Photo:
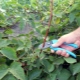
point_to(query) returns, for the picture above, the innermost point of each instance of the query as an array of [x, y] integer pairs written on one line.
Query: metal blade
[[47, 44]]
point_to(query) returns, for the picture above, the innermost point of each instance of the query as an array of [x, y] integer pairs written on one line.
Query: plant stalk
[[49, 23]]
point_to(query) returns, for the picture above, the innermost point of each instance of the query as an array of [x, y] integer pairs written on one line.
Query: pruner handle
[[70, 44], [67, 51]]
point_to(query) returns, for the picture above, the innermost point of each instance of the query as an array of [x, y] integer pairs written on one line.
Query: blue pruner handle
[[71, 44], [69, 52]]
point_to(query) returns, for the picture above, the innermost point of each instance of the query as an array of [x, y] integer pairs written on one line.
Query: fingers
[[62, 53], [59, 52], [60, 42], [78, 43], [52, 51], [67, 47]]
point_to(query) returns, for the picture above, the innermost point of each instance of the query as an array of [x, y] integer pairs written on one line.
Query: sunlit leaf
[[17, 71], [9, 53], [4, 42], [70, 60], [3, 71]]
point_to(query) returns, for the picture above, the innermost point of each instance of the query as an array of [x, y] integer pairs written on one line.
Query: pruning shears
[[49, 45]]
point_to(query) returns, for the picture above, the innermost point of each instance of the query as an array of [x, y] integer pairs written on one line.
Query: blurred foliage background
[[20, 58]]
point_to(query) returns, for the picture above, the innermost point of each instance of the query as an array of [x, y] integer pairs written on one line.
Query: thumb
[[59, 43]]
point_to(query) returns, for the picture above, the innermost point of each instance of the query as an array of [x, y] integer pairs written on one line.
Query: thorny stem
[[49, 23]]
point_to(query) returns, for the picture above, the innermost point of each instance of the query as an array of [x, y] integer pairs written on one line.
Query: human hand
[[72, 37]]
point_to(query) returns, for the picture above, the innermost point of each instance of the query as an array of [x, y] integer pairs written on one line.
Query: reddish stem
[[49, 23]]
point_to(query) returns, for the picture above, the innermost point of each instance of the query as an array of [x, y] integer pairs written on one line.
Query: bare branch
[[49, 23]]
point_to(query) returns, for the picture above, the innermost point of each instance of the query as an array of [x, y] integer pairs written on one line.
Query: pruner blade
[[47, 45]]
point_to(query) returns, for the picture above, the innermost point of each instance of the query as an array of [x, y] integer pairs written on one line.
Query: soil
[[17, 31]]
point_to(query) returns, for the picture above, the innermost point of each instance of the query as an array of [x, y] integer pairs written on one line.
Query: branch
[[49, 23]]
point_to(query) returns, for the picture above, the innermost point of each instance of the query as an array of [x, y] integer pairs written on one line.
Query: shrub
[[20, 56]]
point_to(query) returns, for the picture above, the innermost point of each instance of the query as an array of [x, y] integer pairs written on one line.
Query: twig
[[49, 23]]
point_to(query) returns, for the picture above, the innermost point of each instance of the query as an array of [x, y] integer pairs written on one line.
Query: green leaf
[[44, 29], [48, 66], [22, 23], [33, 24], [58, 61], [17, 71], [42, 55], [65, 74], [4, 42], [2, 17], [78, 21], [20, 45], [1, 35], [76, 68], [53, 76], [33, 3], [70, 60], [51, 58], [71, 67], [28, 44], [9, 31], [9, 77], [78, 77], [71, 17], [71, 2], [59, 15], [34, 74], [27, 77], [73, 7], [2, 60], [57, 21], [72, 78], [9, 53], [3, 70]]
